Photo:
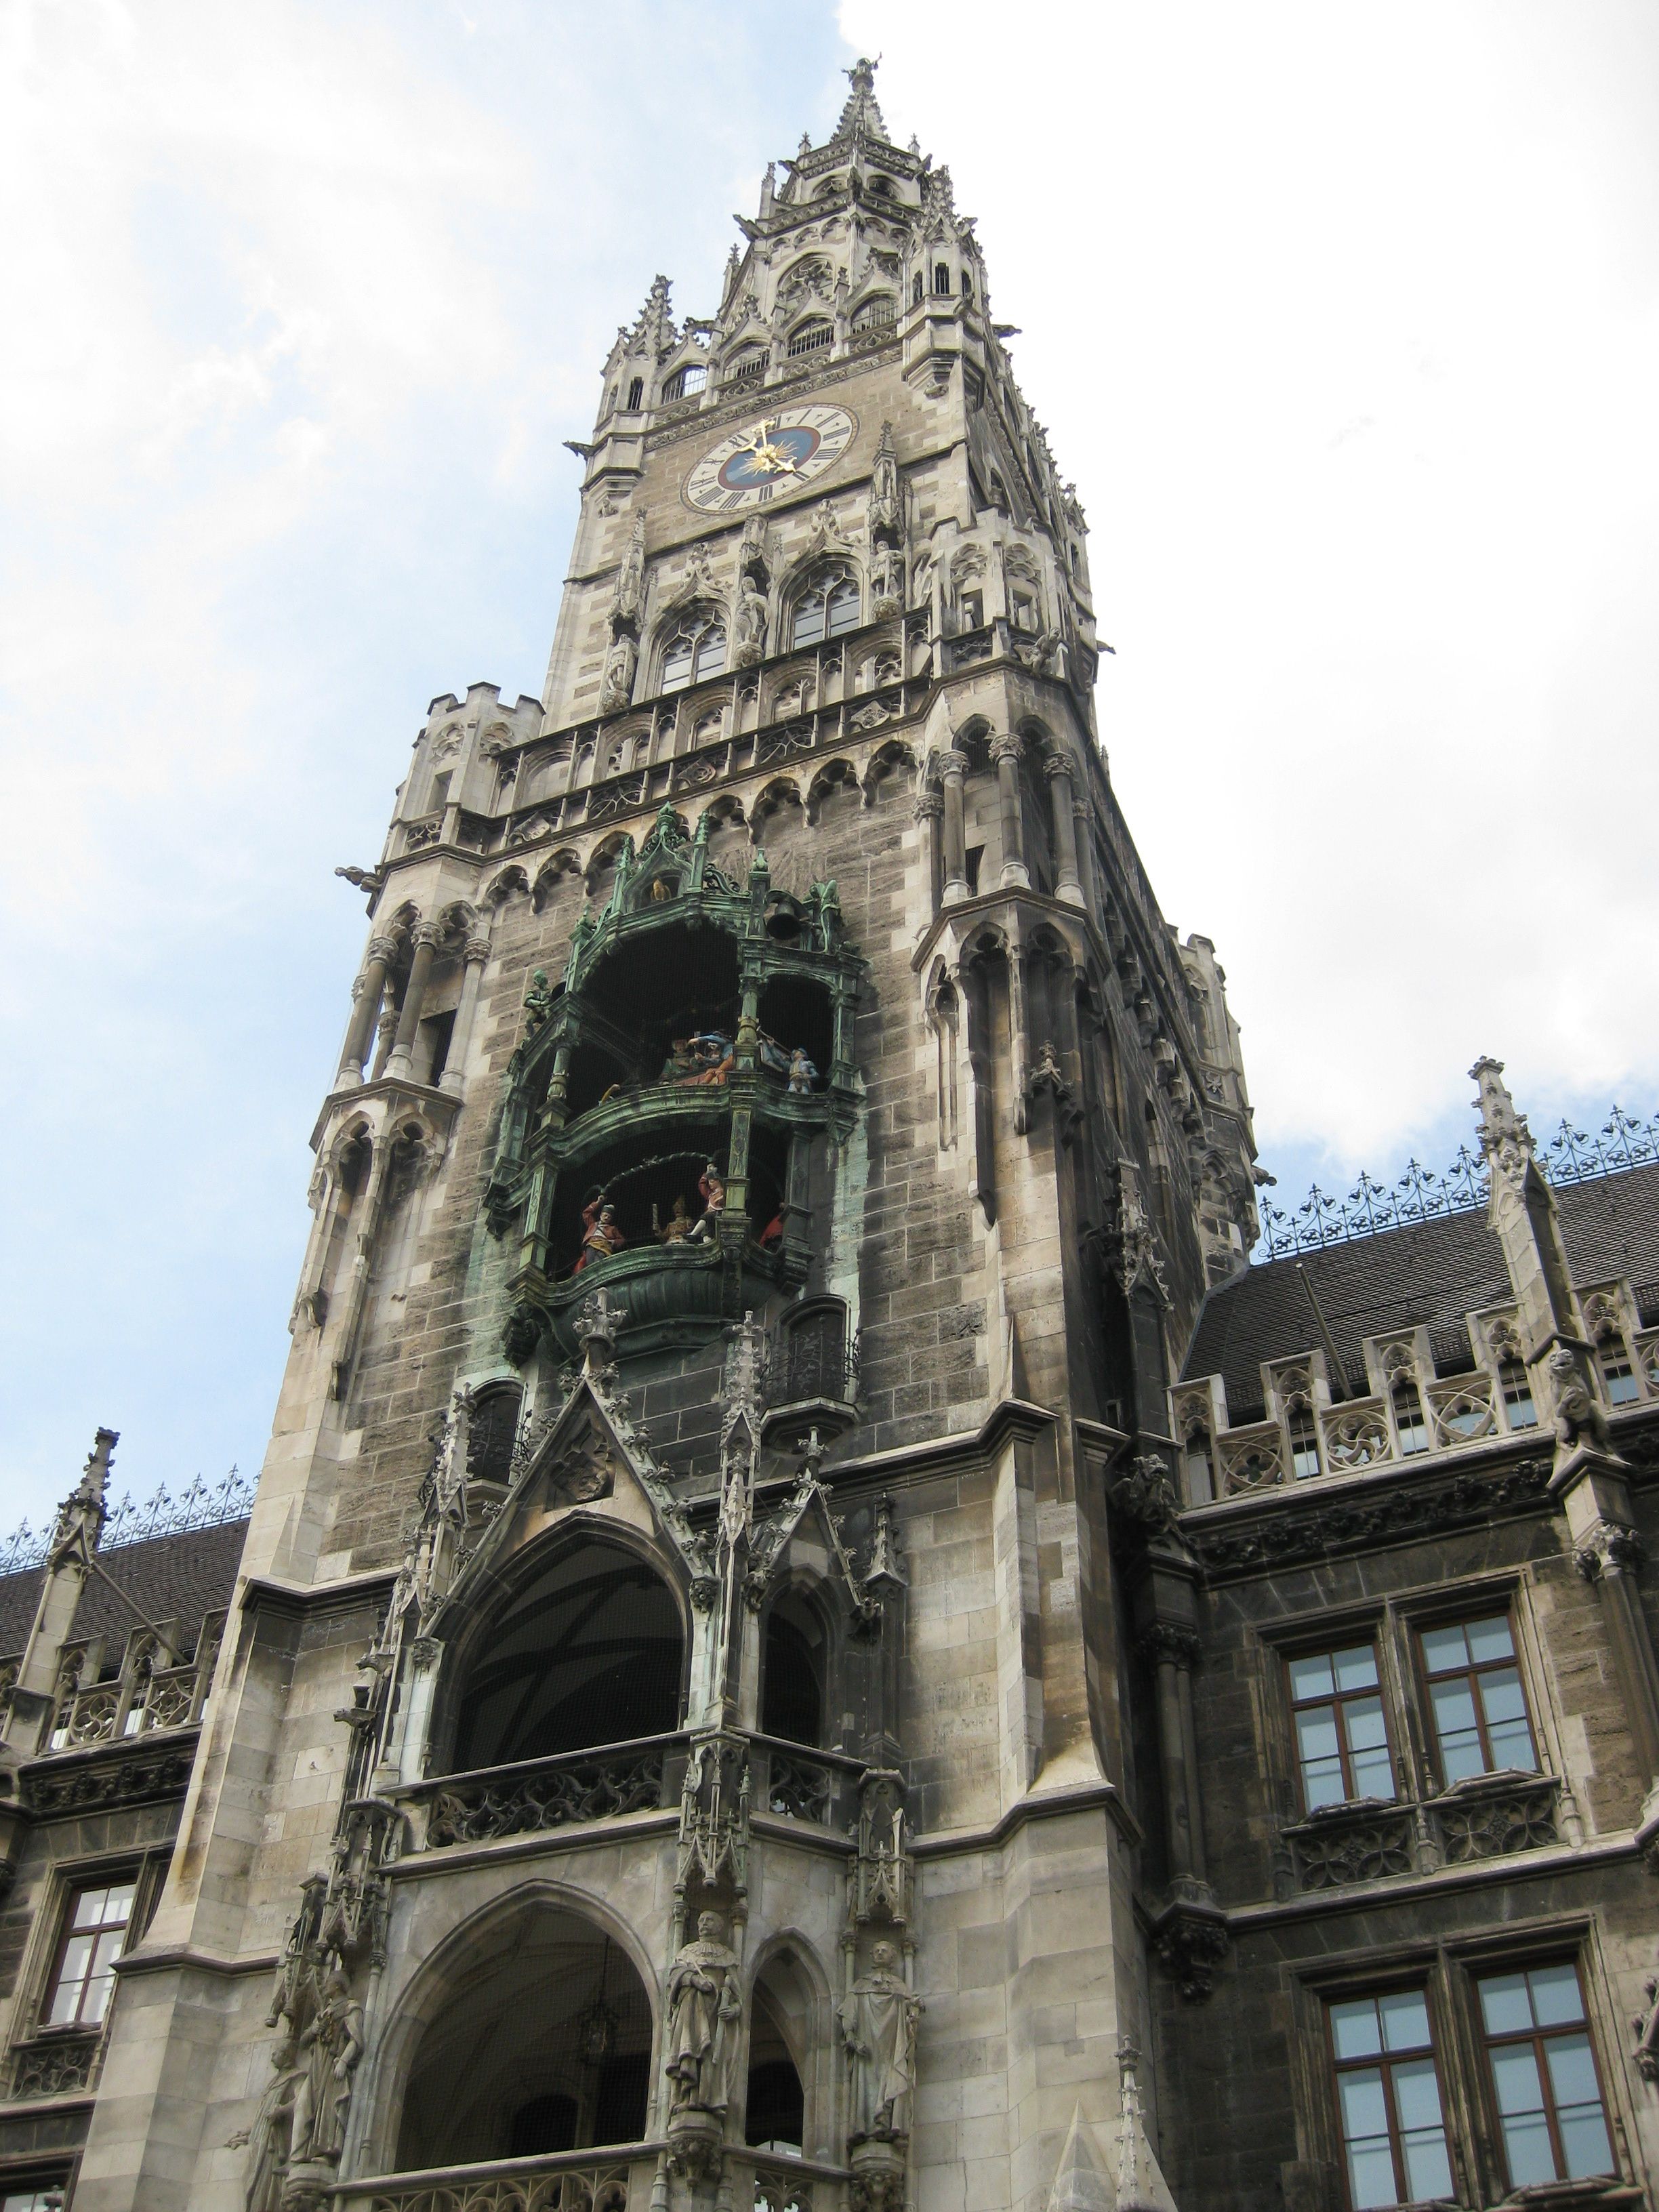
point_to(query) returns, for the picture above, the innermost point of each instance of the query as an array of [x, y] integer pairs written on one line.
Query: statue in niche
[[878, 2029], [749, 636], [330, 2049], [271, 2134], [600, 1235], [886, 583], [705, 2011], [631, 577], [618, 689], [884, 483]]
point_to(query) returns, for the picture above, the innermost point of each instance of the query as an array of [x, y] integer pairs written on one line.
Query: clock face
[[777, 455]]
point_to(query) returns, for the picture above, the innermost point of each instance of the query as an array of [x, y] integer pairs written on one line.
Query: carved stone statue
[[630, 577], [269, 2138], [705, 2011], [1578, 1418], [330, 2048], [886, 582], [617, 689], [750, 626], [884, 484], [878, 2027]]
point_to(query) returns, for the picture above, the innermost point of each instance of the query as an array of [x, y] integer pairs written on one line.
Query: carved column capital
[[1608, 1548], [425, 932], [383, 949], [478, 950], [953, 765], [1164, 1639], [930, 806], [1006, 749], [1057, 765]]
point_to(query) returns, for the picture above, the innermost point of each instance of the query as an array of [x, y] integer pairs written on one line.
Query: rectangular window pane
[[1516, 2078], [1555, 1995], [1355, 2030], [1584, 2142], [1370, 2175], [1373, 1773], [1504, 2005], [1490, 1639], [1356, 1670], [1311, 1677], [1405, 2020], [1443, 1648], [1527, 2150]]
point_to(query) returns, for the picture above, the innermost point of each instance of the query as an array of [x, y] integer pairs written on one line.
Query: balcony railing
[[586, 2181], [536, 1795], [567, 2181], [794, 1781]]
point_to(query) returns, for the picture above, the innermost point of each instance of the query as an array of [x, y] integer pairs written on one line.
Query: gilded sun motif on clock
[[777, 455]]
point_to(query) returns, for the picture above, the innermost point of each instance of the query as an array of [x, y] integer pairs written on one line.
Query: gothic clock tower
[[675, 1742]]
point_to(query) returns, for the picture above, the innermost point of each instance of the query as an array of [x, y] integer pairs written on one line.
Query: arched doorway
[[588, 1652], [544, 2044]]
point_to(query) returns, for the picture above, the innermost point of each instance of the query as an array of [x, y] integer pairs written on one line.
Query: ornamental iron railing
[[1571, 1156], [134, 1520], [571, 1787]]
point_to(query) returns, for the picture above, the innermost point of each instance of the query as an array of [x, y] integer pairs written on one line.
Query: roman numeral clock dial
[[776, 456]]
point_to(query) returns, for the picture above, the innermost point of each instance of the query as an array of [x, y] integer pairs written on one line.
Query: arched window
[[791, 1672], [877, 313], [636, 395], [942, 277], [966, 286], [589, 1653], [750, 362], [694, 649], [828, 608], [684, 381], [544, 2045], [916, 290], [812, 337], [781, 2035], [493, 1432]]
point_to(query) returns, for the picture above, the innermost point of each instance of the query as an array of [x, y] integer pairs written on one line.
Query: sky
[[1344, 321]]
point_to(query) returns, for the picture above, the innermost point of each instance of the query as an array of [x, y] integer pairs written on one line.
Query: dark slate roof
[[178, 1577], [1433, 1274]]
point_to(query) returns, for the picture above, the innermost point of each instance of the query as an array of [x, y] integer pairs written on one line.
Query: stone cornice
[[269, 1594], [1037, 1805], [1368, 1897]]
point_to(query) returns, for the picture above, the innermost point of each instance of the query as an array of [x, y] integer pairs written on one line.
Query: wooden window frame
[[1371, 1637], [1385, 2062], [83, 1883], [1489, 1970], [1421, 1624]]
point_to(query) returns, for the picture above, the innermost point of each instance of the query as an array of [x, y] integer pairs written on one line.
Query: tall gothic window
[[695, 650], [828, 608], [636, 395]]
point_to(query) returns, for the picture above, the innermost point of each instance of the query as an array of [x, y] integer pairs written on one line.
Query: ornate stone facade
[[777, 1657]]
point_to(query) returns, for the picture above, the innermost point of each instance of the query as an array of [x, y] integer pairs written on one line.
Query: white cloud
[[1345, 321]]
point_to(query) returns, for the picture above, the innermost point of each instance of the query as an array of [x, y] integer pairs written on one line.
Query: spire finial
[[861, 117]]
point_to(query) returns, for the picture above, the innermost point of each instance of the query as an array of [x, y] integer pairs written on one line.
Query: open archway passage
[[792, 1674], [774, 2110], [589, 1653], [544, 2044]]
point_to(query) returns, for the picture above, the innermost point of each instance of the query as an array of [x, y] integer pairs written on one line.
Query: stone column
[[477, 951], [1006, 751], [408, 1015], [953, 769], [1083, 845], [1057, 767], [930, 810], [1172, 1651], [1609, 1556], [366, 994]]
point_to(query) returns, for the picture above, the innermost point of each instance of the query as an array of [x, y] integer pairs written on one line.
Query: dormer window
[[695, 650], [812, 337], [942, 279], [829, 608], [749, 363], [1617, 1373], [1516, 1385], [876, 312]]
